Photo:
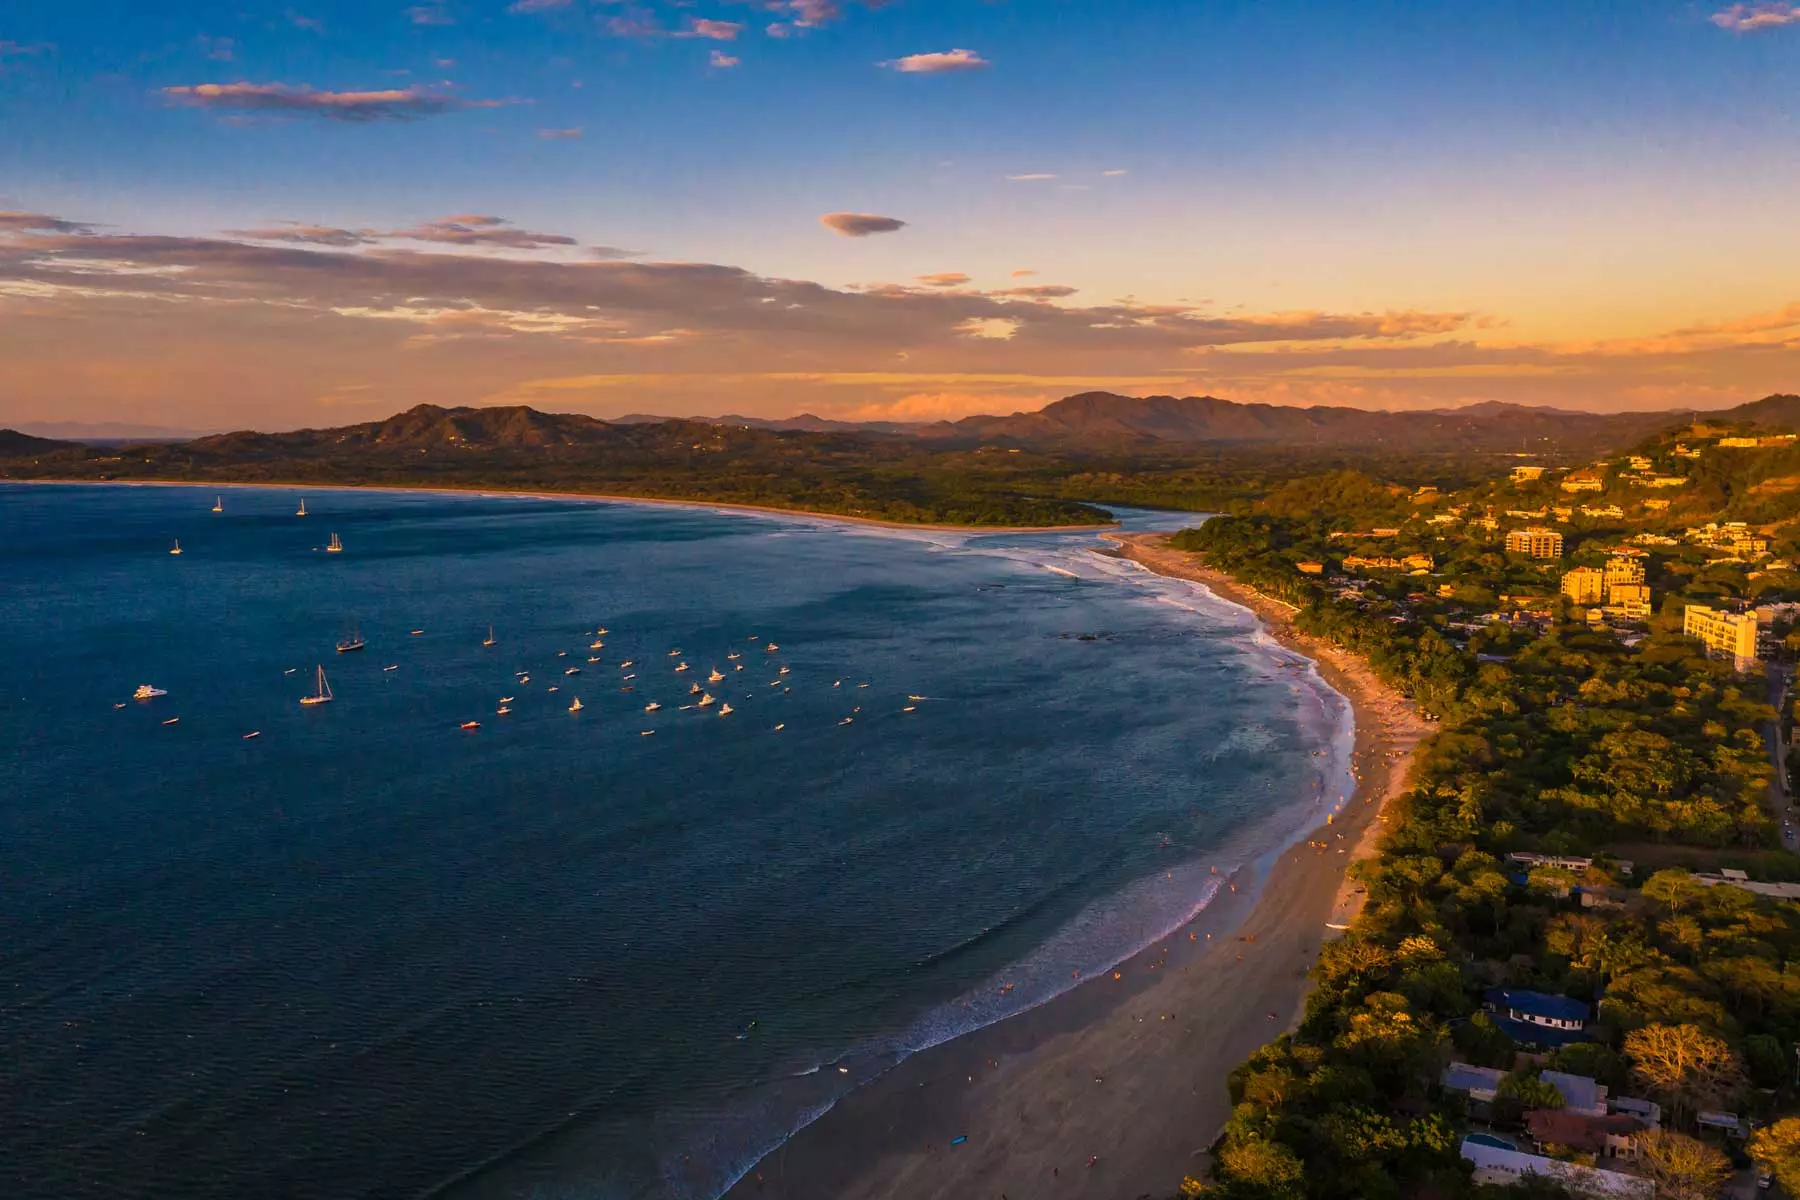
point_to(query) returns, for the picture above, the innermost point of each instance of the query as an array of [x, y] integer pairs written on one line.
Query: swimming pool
[[1488, 1139]]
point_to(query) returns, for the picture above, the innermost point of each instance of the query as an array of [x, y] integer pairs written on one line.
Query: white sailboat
[[322, 695], [218, 504], [716, 676], [706, 700], [725, 710], [302, 511], [490, 637], [335, 546], [576, 706], [177, 549]]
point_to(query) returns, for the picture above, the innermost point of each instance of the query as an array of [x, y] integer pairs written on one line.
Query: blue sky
[[1565, 176]]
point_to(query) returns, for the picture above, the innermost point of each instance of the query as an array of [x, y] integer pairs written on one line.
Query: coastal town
[[1571, 974]]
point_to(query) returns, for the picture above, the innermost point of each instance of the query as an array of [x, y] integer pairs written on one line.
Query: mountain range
[[1095, 421]]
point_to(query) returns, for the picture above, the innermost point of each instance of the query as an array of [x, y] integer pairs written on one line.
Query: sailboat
[[490, 637], [177, 549], [218, 504], [335, 546], [576, 706], [725, 710], [353, 642], [302, 511], [716, 676], [706, 700], [322, 695]]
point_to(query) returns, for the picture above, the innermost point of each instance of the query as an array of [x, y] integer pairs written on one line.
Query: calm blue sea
[[368, 953]]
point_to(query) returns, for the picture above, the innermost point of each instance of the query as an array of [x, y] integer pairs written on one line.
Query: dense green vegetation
[[1556, 737]]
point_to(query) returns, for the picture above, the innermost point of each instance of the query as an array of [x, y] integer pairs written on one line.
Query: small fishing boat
[[596, 644], [862, 685], [489, 640], [706, 700], [770, 648], [734, 656], [910, 708], [601, 632], [502, 710], [552, 689], [783, 671], [524, 679], [627, 664], [218, 504], [562, 654], [572, 671], [302, 511], [290, 670], [693, 689], [846, 720], [506, 699], [633, 675], [470, 725], [335, 545], [781, 727], [119, 705], [415, 632], [352, 643], [173, 721], [652, 706], [680, 667], [716, 676], [738, 667], [322, 694], [916, 698], [725, 710], [674, 654], [392, 667], [147, 692], [576, 706], [177, 549], [646, 732], [593, 658], [254, 733]]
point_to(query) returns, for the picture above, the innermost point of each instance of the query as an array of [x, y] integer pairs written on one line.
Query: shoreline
[[1128, 1069], [600, 497]]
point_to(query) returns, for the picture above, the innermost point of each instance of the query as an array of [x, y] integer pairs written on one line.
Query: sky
[[317, 212]]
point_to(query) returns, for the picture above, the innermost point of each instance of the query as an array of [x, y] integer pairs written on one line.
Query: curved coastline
[[768, 510], [1127, 1069]]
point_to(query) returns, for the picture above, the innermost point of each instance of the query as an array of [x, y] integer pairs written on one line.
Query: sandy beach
[[1126, 1072], [600, 497]]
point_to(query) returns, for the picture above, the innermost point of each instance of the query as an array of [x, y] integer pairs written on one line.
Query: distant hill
[[14, 444], [1102, 417], [805, 422], [514, 427], [1781, 411]]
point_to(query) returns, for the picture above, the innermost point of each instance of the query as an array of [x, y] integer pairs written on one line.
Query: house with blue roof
[[1538, 1018]]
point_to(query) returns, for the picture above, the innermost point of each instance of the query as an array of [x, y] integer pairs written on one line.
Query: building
[[1657, 505], [1581, 1095], [1537, 1018], [1609, 1135], [1640, 463], [1505, 1166], [1583, 482], [1731, 635], [1480, 1084], [1527, 474], [1417, 563], [1310, 568], [1603, 510], [1371, 562], [1752, 443], [1663, 481], [1624, 568], [1535, 542], [1630, 601], [1584, 585]]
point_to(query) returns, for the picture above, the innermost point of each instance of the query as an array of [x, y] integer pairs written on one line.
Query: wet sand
[[1128, 1071]]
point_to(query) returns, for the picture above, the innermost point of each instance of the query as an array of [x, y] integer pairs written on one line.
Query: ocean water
[[368, 953]]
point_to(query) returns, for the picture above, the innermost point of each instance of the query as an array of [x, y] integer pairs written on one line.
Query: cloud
[[1029, 178], [856, 225], [395, 104], [12, 221], [943, 279], [429, 14], [722, 60], [463, 229], [302, 21], [939, 63], [718, 31], [1040, 291], [219, 49], [535, 6], [1751, 18], [1023, 273], [26, 50], [1115, 173], [560, 135]]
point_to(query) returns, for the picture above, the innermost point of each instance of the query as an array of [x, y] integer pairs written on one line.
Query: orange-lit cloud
[[856, 225], [1751, 18], [940, 63], [394, 104]]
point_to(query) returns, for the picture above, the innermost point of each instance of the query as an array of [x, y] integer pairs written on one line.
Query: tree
[[1685, 1063], [1267, 1166], [1776, 1148], [1682, 1168], [1674, 887]]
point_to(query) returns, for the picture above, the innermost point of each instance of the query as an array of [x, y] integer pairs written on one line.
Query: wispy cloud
[[856, 225], [21, 49], [1115, 172], [393, 104], [718, 31], [533, 6], [943, 279], [1033, 178], [560, 135], [938, 63], [462, 229], [1750, 18], [723, 61], [429, 14], [13, 221], [302, 21], [1023, 273], [1037, 291]]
